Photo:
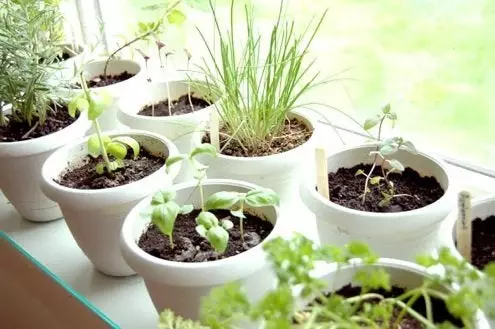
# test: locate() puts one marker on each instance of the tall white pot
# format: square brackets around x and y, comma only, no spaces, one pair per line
[179,129]
[180,286]
[20,171]
[95,217]
[281,172]
[400,235]
[133,86]
[403,274]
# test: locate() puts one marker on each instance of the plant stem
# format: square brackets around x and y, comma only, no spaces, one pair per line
[189,87]
[30,130]
[241,220]
[374,161]
[102,145]
[411,312]
[168,89]
[171,238]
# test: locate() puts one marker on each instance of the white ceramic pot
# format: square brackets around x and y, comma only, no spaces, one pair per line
[20,170]
[179,129]
[403,274]
[133,86]
[280,172]
[180,286]
[65,70]
[400,235]
[95,217]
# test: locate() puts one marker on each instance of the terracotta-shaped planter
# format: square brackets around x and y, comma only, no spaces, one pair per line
[400,235]
[180,286]
[95,217]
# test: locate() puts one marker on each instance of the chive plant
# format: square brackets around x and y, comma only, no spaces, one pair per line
[258,88]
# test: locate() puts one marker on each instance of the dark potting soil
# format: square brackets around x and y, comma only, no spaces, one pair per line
[177,107]
[86,178]
[483,241]
[55,121]
[294,134]
[440,312]
[346,189]
[103,81]
[190,247]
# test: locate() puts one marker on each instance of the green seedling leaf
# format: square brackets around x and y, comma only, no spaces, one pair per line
[426,260]
[386,109]
[164,216]
[409,147]
[163,196]
[204,149]
[201,230]
[392,116]
[360,172]
[100,168]
[176,17]
[262,198]
[174,159]
[372,122]
[388,149]
[375,180]
[146,212]
[95,110]
[186,209]
[79,104]
[226,224]
[114,165]
[222,200]
[238,214]
[374,279]
[131,142]
[93,145]
[207,219]
[218,238]
[396,165]
[118,150]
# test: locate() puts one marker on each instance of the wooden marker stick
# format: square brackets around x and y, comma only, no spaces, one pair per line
[214,130]
[463,225]
[321,172]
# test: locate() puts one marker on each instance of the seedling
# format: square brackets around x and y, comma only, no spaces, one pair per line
[98,144]
[169,100]
[189,56]
[164,210]
[383,152]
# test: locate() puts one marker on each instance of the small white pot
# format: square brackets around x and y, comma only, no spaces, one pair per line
[280,172]
[179,129]
[180,286]
[400,235]
[403,274]
[20,170]
[95,217]
[133,86]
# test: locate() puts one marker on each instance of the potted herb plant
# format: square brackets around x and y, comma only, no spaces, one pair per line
[356,289]
[35,121]
[188,239]
[388,195]
[98,180]
[264,136]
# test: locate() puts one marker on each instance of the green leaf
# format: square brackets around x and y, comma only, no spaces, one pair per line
[358,249]
[238,214]
[226,224]
[114,165]
[131,142]
[93,145]
[360,172]
[262,198]
[118,150]
[386,109]
[95,110]
[163,196]
[409,147]
[100,168]
[207,219]
[425,260]
[375,180]
[176,17]
[186,209]
[218,237]
[222,200]
[388,149]
[164,216]
[79,104]
[204,148]
[174,159]
[201,230]
[372,122]
[376,278]
[396,165]
[392,116]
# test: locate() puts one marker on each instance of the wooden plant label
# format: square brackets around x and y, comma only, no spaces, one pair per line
[214,130]
[322,173]
[463,226]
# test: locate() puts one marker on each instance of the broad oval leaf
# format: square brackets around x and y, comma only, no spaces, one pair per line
[392,116]
[176,17]
[375,180]
[201,230]
[204,148]
[79,104]
[131,142]
[93,145]
[118,150]
[100,168]
[218,237]
[370,123]
[174,159]
[164,216]
[388,149]
[186,209]
[262,197]
[226,224]
[359,172]
[238,214]
[207,219]
[163,196]
[386,109]
[222,200]
[95,110]
[396,165]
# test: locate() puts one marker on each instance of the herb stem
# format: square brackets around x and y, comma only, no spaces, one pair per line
[241,219]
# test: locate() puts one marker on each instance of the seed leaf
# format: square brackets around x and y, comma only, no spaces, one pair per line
[360,172]
[226,224]
[262,197]
[386,109]
[174,159]
[100,168]
[222,200]
[395,164]
[204,149]
[93,145]
[388,149]
[372,122]
[176,17]
[201,230]
[218,238]
[186,209]
[238,214]
[409,147]
[131,142]
[118,150]
[79,104]
[163,196]
[392,116]
[375,180]
[164,216]
[207,219]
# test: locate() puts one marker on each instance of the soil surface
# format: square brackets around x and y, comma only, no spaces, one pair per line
[190,247]
[85,177]
[177,107]
[294,134]
[103,81]
[346,189]
[483,242]
[55,121]
[440,312]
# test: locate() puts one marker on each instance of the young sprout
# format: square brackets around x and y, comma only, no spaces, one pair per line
[189,56]
[98,144]
[385,148]
[169,101]
[159,46]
